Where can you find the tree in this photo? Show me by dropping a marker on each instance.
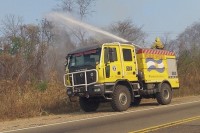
(67, 5)
(11, 25)
(169, 44)
(25, 46)
(188, 47)
(80, 8)
(127, 30)
(84, 7)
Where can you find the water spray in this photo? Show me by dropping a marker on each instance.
(64, 19)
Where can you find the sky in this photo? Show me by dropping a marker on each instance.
(156, 17)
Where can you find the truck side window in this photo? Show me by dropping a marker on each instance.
(127, 54)
(114, 54)
(106, 54)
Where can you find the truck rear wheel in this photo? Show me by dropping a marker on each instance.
(121, 98)
(88, 105)
(165, 95)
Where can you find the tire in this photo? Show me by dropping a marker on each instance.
(121, 98)
(136, 101)
(88, 105)
(164, 97)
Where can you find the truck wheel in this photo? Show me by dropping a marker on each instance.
(136, 101)
(165, 95)
(88, 105)
(121, 98)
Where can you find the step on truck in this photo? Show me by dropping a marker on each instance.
(121, 74)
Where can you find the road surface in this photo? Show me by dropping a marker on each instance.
(177, 117)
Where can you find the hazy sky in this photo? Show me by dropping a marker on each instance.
(155, 16)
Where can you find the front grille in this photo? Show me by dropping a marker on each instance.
(91, 76)
(79, 77)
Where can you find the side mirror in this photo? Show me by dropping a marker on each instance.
(67, 60)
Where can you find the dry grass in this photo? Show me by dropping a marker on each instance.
(28, 101)
(189, 82)
(44, 98)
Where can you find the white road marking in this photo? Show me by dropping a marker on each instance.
(118, 113)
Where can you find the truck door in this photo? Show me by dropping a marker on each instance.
(129, 63)
(112, 70)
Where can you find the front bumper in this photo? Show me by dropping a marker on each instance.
(92, 90)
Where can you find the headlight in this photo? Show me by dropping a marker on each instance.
(91, 74)
(69, 92)
(97, 90)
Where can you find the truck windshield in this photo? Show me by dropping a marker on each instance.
(85, 58)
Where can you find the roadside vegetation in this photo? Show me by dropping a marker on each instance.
(187, 47)
(32, 58)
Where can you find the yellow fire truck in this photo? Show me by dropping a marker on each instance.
(121, 74)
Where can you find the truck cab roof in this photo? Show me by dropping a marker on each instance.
(86, 48)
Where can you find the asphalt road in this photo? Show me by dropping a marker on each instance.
(181, 117)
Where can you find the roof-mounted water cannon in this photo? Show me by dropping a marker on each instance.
(157, 44)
